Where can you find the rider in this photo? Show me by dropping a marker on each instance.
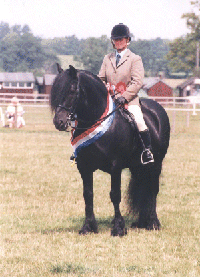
(124, 66)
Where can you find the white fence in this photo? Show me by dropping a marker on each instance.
(31, 98)
(187, 104)
(190, 105)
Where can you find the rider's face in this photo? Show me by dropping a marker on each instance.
(120, 44)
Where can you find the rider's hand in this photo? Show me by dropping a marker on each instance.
(120, 101)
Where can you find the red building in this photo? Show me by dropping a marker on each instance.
(155, 86)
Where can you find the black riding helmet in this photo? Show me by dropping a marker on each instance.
(120, 31)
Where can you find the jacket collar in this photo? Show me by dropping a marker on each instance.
(123, 59)
(121, 53)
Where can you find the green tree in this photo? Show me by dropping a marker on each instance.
(63, 46)
(20, 30)
(93, 53)
(4, 30)
(193, 20)
(9, 48)
(182, 51)
(182, 54)
(22, 51)
(153, 54)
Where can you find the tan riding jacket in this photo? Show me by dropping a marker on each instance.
(129, 70)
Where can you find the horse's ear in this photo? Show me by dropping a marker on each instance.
(72, 71)
(59, 68)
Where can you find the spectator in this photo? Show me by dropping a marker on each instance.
(13, 110)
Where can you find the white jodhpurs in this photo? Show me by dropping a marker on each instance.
(138, 115)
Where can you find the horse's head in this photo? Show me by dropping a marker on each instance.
(77, 93)
(64, 95)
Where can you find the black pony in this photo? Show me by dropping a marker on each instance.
(80, 95)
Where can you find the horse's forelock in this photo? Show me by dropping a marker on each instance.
(62, 83)
(60, 88)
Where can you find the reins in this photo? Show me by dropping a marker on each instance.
(96, 122)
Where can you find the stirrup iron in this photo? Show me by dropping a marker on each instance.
(150, 159)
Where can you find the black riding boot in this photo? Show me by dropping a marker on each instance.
(147, 156)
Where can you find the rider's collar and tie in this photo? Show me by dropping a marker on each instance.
(119, 56)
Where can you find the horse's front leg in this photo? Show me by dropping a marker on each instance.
(115, 196)
(90, 224)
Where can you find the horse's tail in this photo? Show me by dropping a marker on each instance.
(145, 180)
(143, 186)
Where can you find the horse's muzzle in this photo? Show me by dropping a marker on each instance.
(60, 124)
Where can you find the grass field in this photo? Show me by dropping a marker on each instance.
(42, 209)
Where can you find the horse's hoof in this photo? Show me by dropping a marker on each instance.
(85, 231)
(119, 227)
(134, 225)
(89, 228)
(155, 225)
(118, 232)
(139, 225)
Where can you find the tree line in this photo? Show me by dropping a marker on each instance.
(182, 55)
(22, 51)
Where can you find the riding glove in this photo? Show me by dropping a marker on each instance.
(120, 101)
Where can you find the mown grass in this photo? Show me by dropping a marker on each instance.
(42, 209)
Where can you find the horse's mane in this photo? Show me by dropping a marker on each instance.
(88, 77)
(62, 82)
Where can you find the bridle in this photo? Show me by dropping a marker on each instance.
(72, 116)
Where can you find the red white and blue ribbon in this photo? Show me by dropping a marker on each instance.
(96, 131)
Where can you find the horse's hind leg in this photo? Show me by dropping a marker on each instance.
(115, 196)
(90, 224)
(145, 194)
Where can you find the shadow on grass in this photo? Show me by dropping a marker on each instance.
(75, 224)
(81, 270)
(68, 268)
